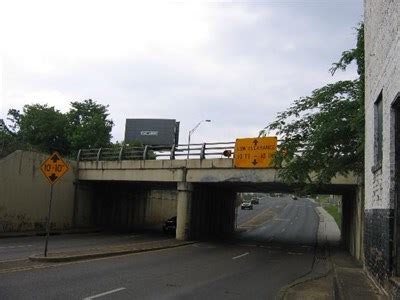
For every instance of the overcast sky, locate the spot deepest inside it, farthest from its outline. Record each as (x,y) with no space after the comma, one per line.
(237,63)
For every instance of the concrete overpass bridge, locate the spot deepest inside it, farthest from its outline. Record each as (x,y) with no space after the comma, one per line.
(206,185)
(219,171)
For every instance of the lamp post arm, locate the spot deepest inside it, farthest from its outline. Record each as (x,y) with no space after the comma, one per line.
(188,147)
(191,132)
(195,127)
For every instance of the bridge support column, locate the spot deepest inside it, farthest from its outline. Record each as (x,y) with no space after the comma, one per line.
(353,222)
(184,199)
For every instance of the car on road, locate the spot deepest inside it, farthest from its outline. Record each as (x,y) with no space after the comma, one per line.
(246,205)
(294,197)
(170,225)
(255,201)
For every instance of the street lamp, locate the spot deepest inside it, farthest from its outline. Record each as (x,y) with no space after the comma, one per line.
(191,132)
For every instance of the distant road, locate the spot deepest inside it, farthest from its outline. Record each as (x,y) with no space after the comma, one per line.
(245,215)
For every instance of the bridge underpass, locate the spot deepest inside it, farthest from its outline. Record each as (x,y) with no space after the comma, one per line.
(205,192)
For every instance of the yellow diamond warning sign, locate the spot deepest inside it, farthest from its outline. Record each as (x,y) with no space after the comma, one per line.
(255,152)
(54,168)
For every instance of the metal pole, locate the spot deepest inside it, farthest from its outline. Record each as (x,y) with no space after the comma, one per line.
(48,222)
(188,150)
(190,133)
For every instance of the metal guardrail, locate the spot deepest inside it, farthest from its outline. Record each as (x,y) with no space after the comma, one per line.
(184,151)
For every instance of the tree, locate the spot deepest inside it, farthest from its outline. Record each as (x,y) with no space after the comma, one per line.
(15,117)
(134,149)
(40,127)
(46,129)
(88,125)
(323,134)
(9,143)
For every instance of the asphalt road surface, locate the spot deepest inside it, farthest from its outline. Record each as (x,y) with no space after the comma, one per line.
(273,247)
(22,247)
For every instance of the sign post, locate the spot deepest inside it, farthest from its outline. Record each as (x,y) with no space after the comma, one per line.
(251,153)
(53,168)
(48,222)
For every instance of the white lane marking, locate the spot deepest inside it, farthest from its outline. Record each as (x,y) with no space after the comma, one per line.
(241,255)
(283,220)
(104,294)
(254,245)
(133,235)
(248,245)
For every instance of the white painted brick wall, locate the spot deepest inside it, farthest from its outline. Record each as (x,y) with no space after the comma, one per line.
(382,58)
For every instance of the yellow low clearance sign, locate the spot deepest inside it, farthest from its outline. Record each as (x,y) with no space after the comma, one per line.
(54,167)
(255,152)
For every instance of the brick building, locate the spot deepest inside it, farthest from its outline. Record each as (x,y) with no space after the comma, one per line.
(382,141)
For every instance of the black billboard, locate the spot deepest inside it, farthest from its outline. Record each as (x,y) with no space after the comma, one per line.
(152,131)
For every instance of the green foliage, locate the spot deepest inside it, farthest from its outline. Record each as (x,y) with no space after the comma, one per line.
(9,143)
(46,129)
(336,213)
(132,143)
(137,147)
(88,126)
(323,134)
(15,117)
(42,127)
(353,55)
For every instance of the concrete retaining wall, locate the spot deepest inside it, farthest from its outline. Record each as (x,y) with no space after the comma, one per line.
(161,205)
(126,207)
(25,194)
(83,206)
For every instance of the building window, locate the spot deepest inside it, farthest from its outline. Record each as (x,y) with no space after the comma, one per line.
(378,107)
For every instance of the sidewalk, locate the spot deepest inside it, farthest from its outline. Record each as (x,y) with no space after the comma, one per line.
(350,280)
(335,274)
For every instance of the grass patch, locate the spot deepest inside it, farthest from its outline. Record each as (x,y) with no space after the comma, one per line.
(335,212)
(322,199)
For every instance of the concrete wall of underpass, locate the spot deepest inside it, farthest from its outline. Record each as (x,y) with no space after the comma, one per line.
(120,206)
(25,194)
(83,205)
(212,212)
(353,222)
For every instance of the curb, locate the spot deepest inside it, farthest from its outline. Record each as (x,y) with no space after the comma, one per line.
(43,233)
(320,247)
(68,258)
(304,279)
(337,289)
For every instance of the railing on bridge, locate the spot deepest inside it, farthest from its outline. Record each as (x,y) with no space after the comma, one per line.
(194,151)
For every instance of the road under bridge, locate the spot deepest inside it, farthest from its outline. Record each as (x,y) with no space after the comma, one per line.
(205,191)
